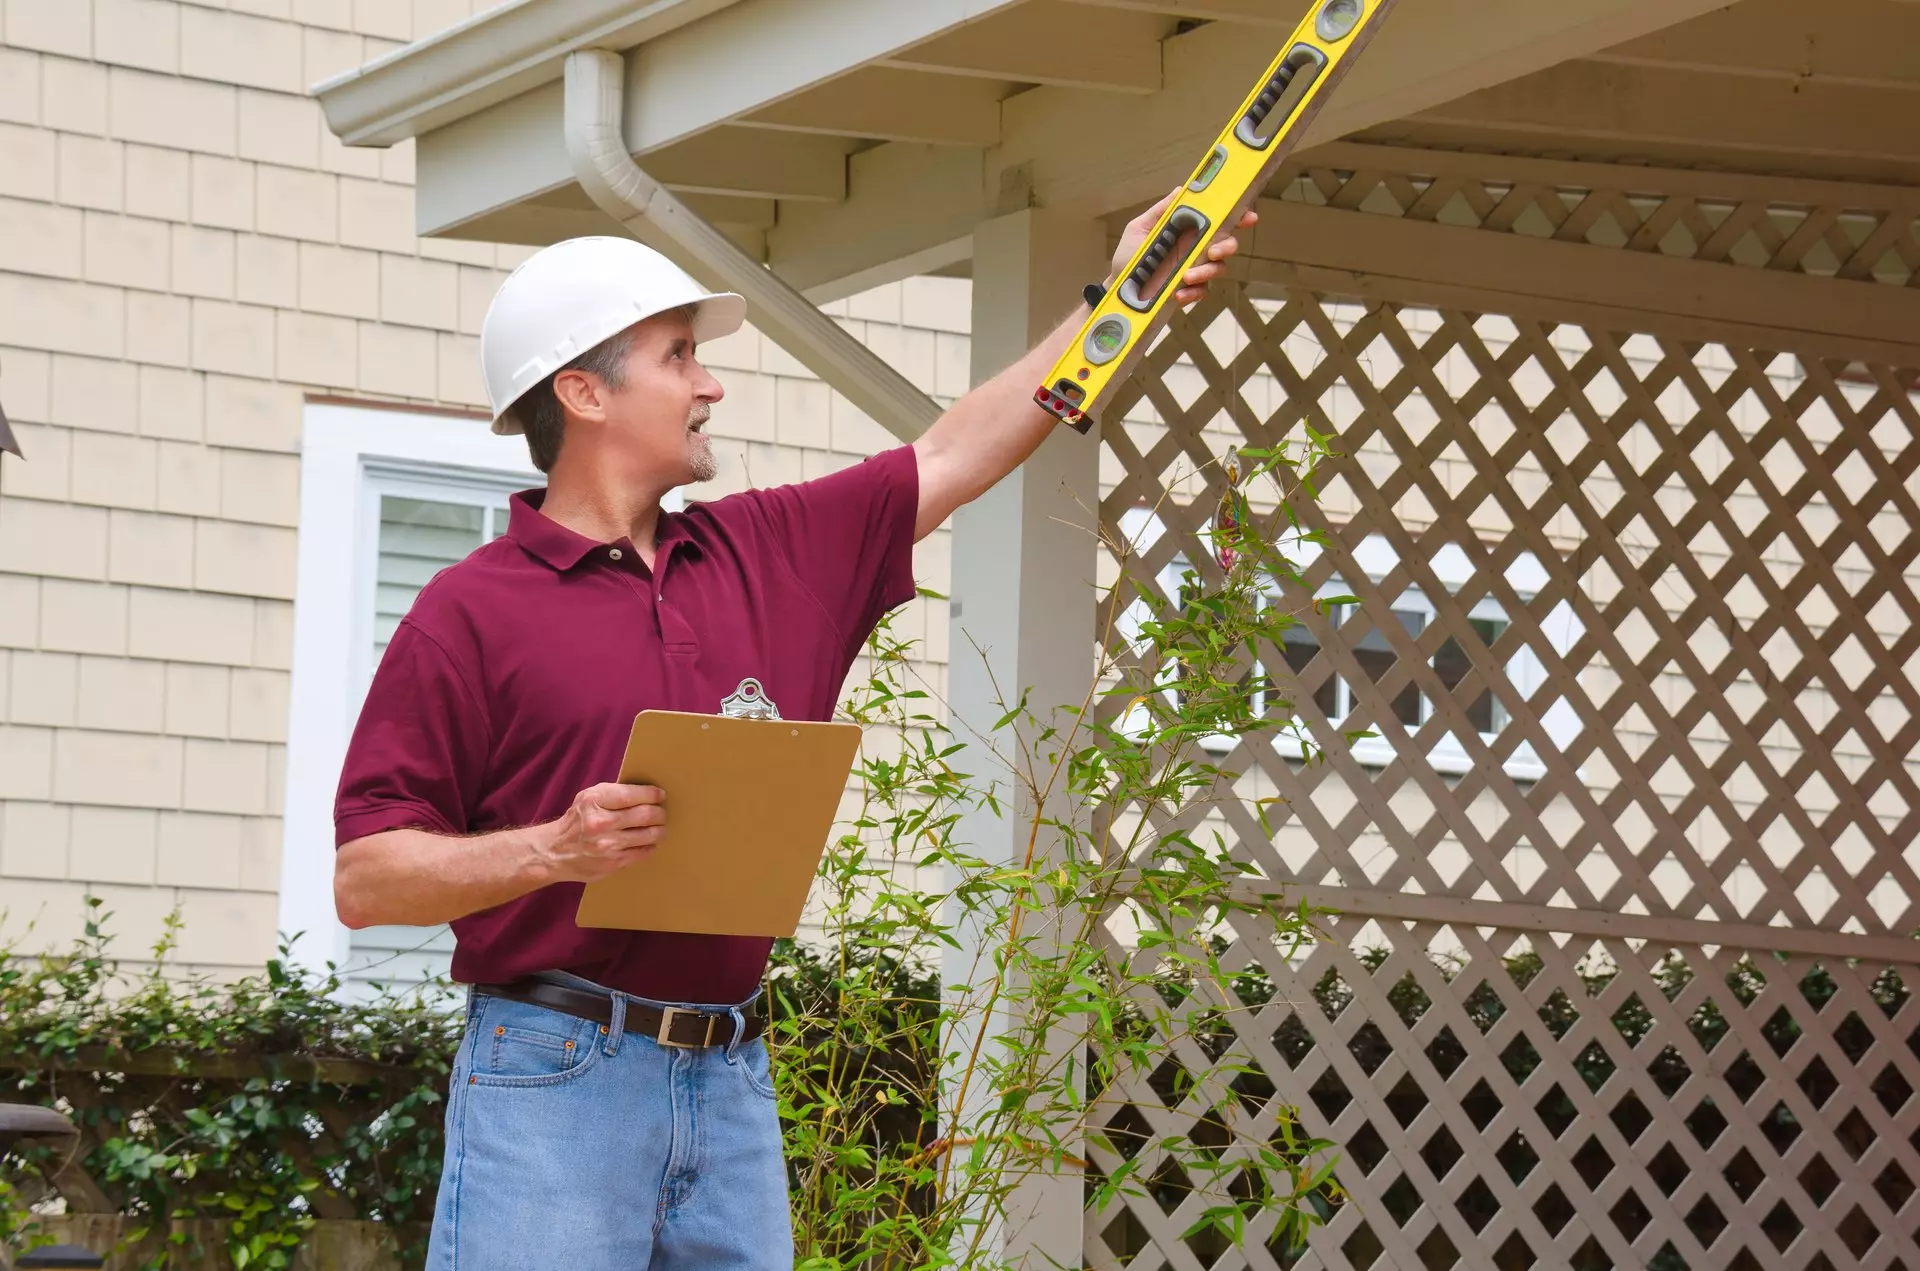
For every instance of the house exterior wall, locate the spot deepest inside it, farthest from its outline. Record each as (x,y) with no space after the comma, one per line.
(187,257)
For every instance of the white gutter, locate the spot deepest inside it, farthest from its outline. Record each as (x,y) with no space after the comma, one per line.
(595,89)
(496,55)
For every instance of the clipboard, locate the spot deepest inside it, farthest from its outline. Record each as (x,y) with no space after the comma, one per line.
(750,802)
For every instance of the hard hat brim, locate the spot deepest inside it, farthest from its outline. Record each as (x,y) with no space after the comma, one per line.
(714,317)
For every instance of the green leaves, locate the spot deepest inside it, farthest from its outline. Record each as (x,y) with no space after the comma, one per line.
(206,1099)
(913,1108)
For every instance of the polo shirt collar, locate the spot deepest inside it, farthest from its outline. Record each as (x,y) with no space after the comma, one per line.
(545,539)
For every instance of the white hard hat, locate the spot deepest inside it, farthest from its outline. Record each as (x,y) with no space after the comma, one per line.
(566,298)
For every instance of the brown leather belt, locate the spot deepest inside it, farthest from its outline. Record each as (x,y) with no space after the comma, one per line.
(674,1026)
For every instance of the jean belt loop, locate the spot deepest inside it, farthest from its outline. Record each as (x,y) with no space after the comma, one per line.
(617,1026)
(739,1032)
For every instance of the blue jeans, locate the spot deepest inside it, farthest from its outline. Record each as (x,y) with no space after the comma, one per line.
(572,1147)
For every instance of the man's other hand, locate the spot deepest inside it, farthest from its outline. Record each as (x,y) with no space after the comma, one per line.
(1193,285)
(608,827)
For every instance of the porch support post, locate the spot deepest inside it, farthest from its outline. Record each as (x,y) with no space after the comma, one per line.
(1023,611)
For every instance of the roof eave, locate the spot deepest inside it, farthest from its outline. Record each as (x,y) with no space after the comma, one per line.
(485,60)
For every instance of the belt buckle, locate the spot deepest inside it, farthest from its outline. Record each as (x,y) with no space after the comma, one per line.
(665,1036)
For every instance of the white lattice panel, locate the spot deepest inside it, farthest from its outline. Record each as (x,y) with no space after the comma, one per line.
(1855,233)
(1636,638)
(1508,1103)
(1717,611)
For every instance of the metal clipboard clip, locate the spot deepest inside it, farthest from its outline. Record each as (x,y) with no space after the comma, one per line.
(749,701)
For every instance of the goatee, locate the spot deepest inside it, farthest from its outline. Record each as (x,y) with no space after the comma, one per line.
(699,448)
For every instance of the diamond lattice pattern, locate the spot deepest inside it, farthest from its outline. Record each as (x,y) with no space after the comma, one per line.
(1635,630)
(1857,235)
(1635,638)
(1508,1102)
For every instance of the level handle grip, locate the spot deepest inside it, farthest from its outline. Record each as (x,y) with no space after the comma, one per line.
(1133,292)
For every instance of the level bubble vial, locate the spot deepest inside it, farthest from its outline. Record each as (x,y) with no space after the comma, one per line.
(1209,170)
(1107,338)
(1339,18)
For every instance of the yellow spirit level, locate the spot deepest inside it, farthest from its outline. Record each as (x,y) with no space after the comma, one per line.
(1234,173)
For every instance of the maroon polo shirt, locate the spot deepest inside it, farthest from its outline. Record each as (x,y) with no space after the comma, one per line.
(512,684)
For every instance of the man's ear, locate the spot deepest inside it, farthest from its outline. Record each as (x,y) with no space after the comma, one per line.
(581,395)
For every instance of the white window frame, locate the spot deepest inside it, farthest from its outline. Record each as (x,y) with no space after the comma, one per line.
(346,454)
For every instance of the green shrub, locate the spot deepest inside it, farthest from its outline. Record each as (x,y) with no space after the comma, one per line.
(262,1103)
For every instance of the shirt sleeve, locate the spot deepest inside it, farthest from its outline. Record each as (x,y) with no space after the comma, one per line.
(418,754)
(849,537)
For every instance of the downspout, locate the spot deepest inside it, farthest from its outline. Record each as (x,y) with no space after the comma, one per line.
(595,86)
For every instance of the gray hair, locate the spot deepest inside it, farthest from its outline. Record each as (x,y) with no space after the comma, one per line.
(542,417)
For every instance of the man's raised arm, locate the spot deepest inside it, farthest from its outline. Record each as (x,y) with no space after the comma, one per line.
(991,431)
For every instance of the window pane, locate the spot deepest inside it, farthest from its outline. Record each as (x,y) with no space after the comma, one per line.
(394,956)
(1299,647)
(1376,656)
(1451,665)
(418,539)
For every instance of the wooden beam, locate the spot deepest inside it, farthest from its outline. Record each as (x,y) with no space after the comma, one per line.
(1697,183)
(513,152)
(735,62)
(725,210)
(760,52)
(538,225)
(1064,45)
(721,209)
(903,201)
(1862,43)
(1426,54)
(1378,257)
(1276,15)
(1685,112)
(888,104)
(754,163)
(515,157)
(1593,923)
(1096,152)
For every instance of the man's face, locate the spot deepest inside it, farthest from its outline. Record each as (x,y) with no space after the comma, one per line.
(659,417)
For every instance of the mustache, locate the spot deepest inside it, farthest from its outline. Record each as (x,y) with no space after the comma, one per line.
(699,415)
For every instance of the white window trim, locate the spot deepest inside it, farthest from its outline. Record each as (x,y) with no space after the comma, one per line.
(338,445)
(332,618)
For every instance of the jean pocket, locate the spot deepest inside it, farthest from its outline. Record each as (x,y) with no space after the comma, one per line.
(757,1064)
(521,1045)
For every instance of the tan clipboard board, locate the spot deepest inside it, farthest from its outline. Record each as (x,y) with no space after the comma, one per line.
(750,804)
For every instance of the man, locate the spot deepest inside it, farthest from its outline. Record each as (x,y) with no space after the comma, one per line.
(588,1126)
